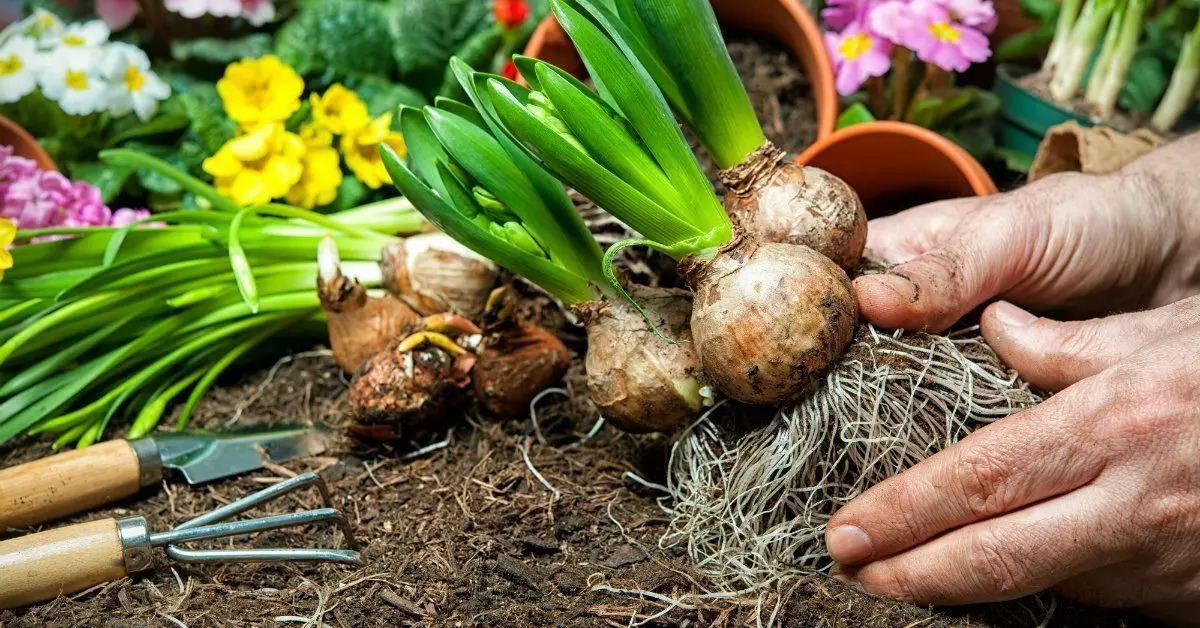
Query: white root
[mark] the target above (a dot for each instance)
(751, 508)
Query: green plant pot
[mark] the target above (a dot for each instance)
(1024, 116)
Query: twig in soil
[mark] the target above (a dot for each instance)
(537, 430)
(262, 388)
(536, 474)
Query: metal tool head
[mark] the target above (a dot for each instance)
(205, 456)
(137, 540)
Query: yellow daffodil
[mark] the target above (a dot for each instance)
(8, 232)
(361, 149)
(339, 110)
(260, 91)
(322, 175)
(259, 166)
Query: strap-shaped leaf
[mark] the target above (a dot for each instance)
(560, 282)
(608, 141)
(585, 174)
(643, 105)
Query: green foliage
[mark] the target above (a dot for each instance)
(345, 36)
(221, 52)
(964, 116)
(427, 33)
(857, 113)
(384, 96)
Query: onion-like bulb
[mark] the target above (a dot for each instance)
(776, 201)
(360, 325)
(638, 381)
(769, 318)
(517, 362)
(433, 273)
(403, 388)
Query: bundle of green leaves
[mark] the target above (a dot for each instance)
(116, 323)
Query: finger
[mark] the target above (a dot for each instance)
(983, 258)
(911, 233)
(1025, 458)
(1004, 558)
(1053, 354)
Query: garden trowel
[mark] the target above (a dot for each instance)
(79, 480)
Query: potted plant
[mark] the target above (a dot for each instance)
(1119, 63)
(785, 21)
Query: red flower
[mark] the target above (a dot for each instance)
(510, 71)
(510, 13)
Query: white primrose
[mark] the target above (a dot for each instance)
(83, 35)
(131, 84)
(19, 65)
(41, 25)
(71, 81)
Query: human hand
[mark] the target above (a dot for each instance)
(1095, 492)
(1073, 244)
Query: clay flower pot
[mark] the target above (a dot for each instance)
(896, 165)
(13, 134)
(1024, 116)
(785, 21)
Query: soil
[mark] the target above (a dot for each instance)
(779, 91)
(1039, 84)
(466, 535)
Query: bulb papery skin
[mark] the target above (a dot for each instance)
(434, 274)
(516, 363)
(638, 381)
(360, 325)
(768, 319)
(398, 390)
(774, 201)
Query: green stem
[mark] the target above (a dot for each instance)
(1069, 75)
(135, 159)
(1062, 34)
(1132, 24)
(1182, 89)
(1102, 67)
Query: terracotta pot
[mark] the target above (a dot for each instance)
(785, 21)
(13, 134)
(896, 165)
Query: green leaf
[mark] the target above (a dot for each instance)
(854, 114)
(241, 264)
(342, 36)
(1027, 45)
(562, 283)
(162, 124)
(221, 51)
(1144, 85)
(427, 33)
(1015, 160)
(476, 52)
(211, 128)
(1045, 11)
(110, 179)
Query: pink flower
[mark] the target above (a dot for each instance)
(857, 55)
(938, 38)
(980, 14)
(117, 13)
(126, 216)
(890, 19)
(838, 14)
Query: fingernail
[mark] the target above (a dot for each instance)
(1011, 315)
(849, 544)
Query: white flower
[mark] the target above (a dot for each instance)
(131, 84)
(72, 82)
(84, 35)
(41, 25)
(19, 63)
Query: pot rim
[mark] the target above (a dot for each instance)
(24, 140)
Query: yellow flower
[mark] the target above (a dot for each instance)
(361, 148)
(339, 110)
(259, 91)
(8, 232)
(322, 175)
(259, 166)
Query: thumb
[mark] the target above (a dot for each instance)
(1055, 354)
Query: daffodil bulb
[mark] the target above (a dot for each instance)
(433, 273)
(83, 35)
(19, 66)
(71, 81)
(131, 84)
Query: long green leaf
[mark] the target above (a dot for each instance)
(242, 272)
(142, 161)
(33, 374)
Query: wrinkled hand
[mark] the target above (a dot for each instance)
(1096, 491)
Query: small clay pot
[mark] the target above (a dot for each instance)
(895, 165)
(24, 145)
(785, 21)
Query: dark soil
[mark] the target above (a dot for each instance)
(1039, 84)
(463, 536)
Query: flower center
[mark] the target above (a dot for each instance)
(945, 32)
(74, 40)
(77, 80)
(855, 46)
(10, 65)
(134, 79)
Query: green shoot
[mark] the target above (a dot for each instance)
(1181, 91)
(1062, 34)
(1111, 68)
(1068, 75)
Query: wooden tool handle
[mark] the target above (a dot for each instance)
(67, 483)
(42, 566)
